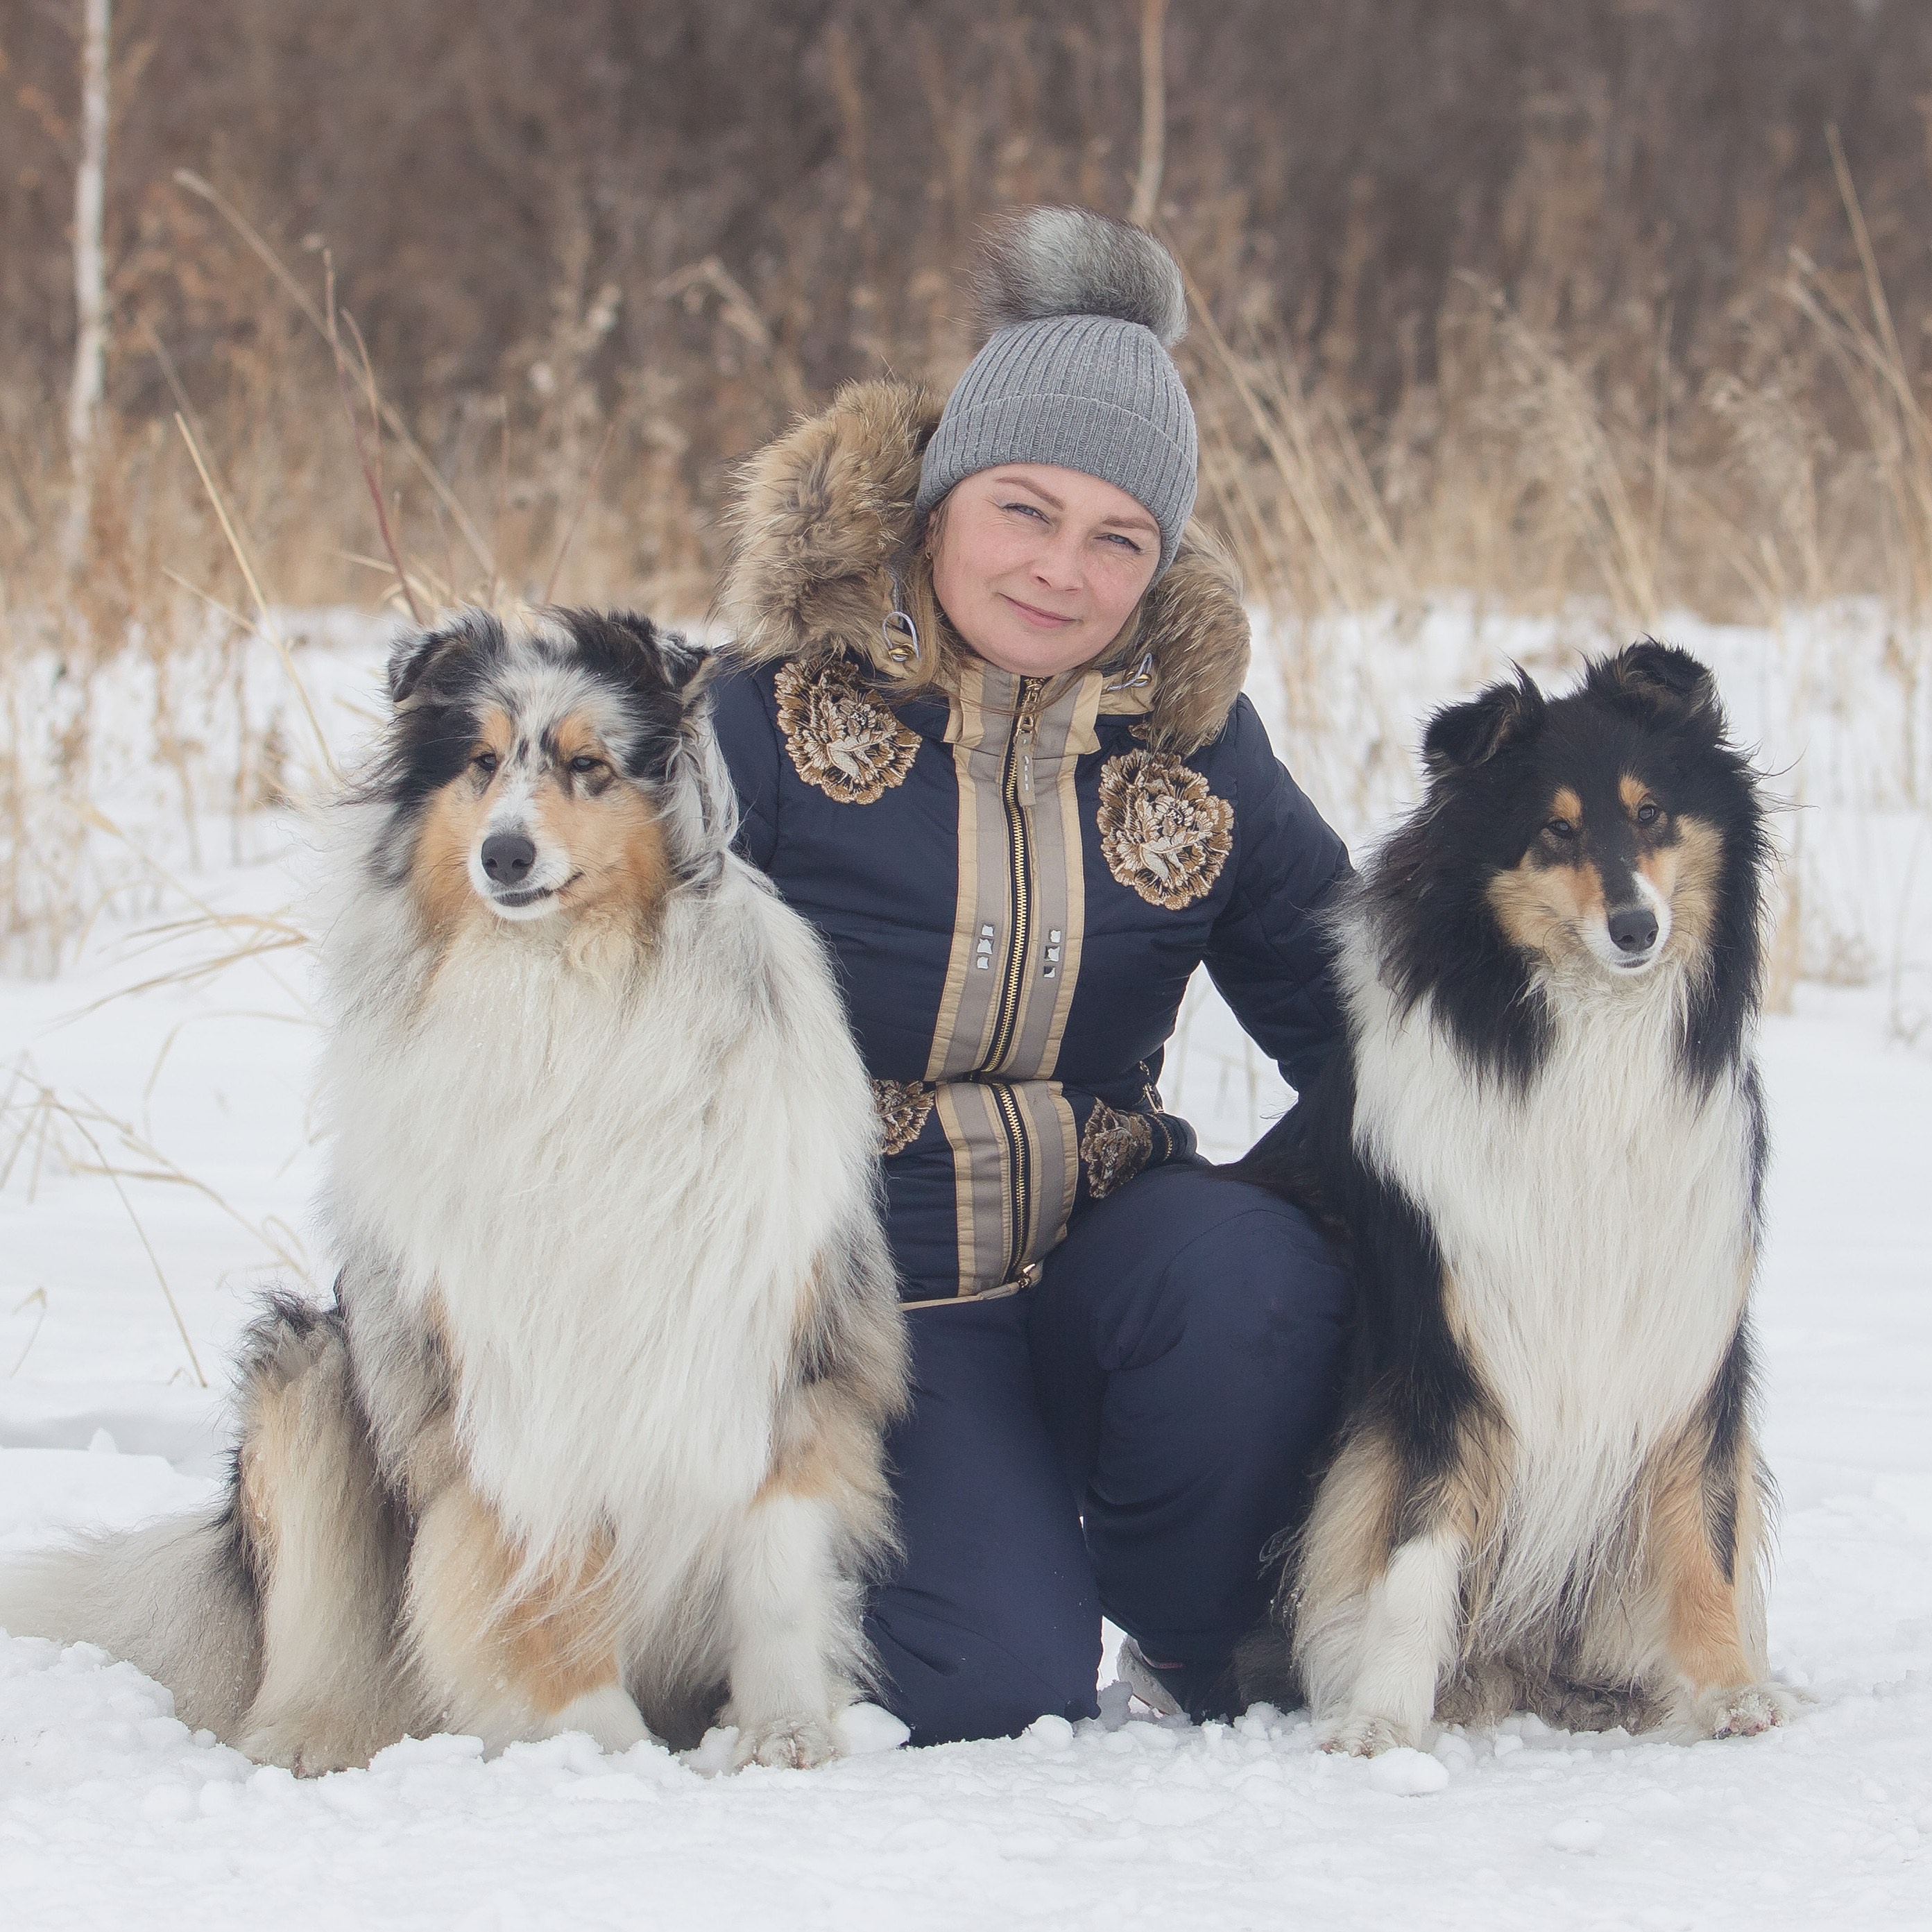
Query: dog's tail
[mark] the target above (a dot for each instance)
(272, 1614)
(177, 1598)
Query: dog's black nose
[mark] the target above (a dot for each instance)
(508, 857)
(1633, 930)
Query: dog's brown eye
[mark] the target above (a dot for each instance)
(485, 762)
(1560, 830)
(1648, 814)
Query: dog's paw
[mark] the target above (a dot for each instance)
(306, 1750)
(608, 1715)
(1741, 1710)
(1595, 1707)
(1362, 1734)
(785, 1743)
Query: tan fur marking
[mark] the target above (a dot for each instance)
(1700, 1607)
(577, 737)
(1567, 805)
(1661, 867)
(1633, 792)
(824, 1452)
(615, 842)
(439, 874)
(1350, 1530)
(1697, 860)
(1543, 908)
(825, 1441)
(871, 1346)
(435, 1458)
(549, 1642)
(270, 1442)
(1469, 1498)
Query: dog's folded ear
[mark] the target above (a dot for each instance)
(414, 652)
(689, 668)
(1461, 737)
(684, 668)
(1659, 680)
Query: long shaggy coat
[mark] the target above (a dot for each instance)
(1543, 1150)
(591, 1438)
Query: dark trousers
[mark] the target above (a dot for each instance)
(1126, 1438)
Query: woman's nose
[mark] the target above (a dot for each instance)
(1057, 562)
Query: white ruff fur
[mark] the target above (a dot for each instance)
(1596, 1237)
(606, 1187)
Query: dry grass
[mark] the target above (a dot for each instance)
(1507, 482)
(1479, 356)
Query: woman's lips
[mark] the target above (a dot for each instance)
(1044, 620)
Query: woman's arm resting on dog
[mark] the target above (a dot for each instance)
(1267, 953)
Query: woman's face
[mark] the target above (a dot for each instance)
(1038, 567)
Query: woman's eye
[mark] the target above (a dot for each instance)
(1026, 510)
(1648, 814)
(485, 762)
(1126, 542)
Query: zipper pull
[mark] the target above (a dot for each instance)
(1024, 727)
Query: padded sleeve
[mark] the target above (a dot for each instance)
(1268, 953)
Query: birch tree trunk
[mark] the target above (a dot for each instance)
(1153, 112)
(90, 280)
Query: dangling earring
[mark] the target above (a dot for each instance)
(1143, 674)
(901, 633)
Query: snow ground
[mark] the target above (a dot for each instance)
(110, 1813)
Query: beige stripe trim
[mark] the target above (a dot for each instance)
(982, 1181)
(1081, 738)
(1070, 1168)
(1053, 1160)
(969, 999)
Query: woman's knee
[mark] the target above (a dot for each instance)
(946, 1680)
(1187, 1255)
(992, 1617)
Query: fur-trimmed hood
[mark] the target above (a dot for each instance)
(824, 513)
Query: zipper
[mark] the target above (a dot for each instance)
(1016, 797)
(1019, 1156)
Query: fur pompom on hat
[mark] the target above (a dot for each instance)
(1045, 261)
(1079, 312)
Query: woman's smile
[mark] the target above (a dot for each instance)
(1047, 620)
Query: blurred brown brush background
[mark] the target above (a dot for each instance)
(1621, 305)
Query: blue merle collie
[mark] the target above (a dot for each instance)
(592, 1437)
(1543, 1150)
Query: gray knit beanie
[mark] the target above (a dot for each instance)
(1079, 312)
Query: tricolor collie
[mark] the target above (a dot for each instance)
(592, 1438)
(1542, 1149)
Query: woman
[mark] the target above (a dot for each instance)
(988, 736)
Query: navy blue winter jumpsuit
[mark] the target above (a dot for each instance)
(1123, 1362)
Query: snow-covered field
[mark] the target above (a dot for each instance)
(111, 1812)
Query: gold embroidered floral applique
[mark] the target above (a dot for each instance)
(1161, 831)
(841, 738)
(903, 1106)
(1113, 1148)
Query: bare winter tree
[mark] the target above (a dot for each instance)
(90, 278)
(1153, 111)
